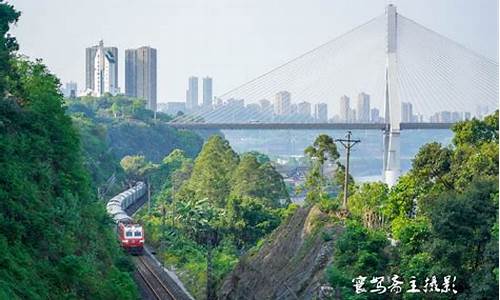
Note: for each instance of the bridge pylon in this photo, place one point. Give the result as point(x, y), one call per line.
point(392, 163)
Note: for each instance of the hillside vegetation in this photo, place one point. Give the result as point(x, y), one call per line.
point(439, 220)
point(56, 239)
point(211, 210)
point(114, 127)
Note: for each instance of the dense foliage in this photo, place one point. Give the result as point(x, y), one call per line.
point(212, 210)
point(130, 129)
point(442, 217)
point(56, 239)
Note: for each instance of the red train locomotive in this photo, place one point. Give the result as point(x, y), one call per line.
point(130, 234)
point(131, 237)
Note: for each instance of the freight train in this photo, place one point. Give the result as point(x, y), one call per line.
point(130, 234)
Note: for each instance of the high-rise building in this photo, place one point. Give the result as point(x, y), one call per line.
point(304, 108)
point(175, 108)
point(321, 112)
point(106, 68)
point(445, 116)
point(456, 116)
point(375, 115)
point(406, 112)
point(192, 93)
point(282, 103)
point(235, 103)
point(265, 105)
point(253, 108)
point(89, 67)
point(140, 75)
point(345, 109)
point(70, 90)
point(352, 116)
point(441, 117)
point(207, 92)
point(363, 108)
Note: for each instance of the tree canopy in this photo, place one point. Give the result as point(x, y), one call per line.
point(56, 238)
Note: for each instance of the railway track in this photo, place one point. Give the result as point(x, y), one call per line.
point(152, 280)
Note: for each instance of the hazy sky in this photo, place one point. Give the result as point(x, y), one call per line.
point(232, 41)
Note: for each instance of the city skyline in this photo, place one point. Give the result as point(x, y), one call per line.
point(284, 109)
point(228, 65)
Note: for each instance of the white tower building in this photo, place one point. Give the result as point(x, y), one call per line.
point(105, 76)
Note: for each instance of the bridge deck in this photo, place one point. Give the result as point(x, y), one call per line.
point(307, 126)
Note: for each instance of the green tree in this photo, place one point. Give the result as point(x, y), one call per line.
point(8, 44)
point(432, 164)
point(404, 196)
point(212, 170)
point(369, 204)
point(476, 132)
point(261, 158)
point(257, 180)
point(56, 237)
point(322, 150)
point(137, 167)
point(358, 252)
point(115, 109)
point(248, 220)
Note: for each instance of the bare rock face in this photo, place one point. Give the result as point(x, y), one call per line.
point(290, 265)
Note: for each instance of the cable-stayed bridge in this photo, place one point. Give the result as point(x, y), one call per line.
point(400, 74)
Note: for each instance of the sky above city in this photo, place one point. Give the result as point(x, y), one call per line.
point(232, 41)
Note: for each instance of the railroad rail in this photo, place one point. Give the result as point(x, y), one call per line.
point(152, 280)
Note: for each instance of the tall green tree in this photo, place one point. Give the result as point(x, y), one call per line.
point(322, 150)
point(8, 45)
point(261, 181)
point(212, 171)
point(369, 204)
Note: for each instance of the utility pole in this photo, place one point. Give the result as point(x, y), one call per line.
point(348, 144)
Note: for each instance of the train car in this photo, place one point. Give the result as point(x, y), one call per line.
point(131, 237)
point(130, 234)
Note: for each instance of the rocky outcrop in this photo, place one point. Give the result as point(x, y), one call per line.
point(290, 265)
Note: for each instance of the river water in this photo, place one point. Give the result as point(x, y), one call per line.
point(366, 157)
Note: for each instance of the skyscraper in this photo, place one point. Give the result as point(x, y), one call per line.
point(140, 75)
point(71, 90)
point(304, 109)
point(265, 105)
point(406, 112)
point(345, 109)
point(108, 71)
point(282, 103)
point(192, 93)
point(207, 92)
point(321, 112)
point(89, 67)
point(375, 115)
point(363, 108)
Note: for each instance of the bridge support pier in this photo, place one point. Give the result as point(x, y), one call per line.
point(392, 159)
